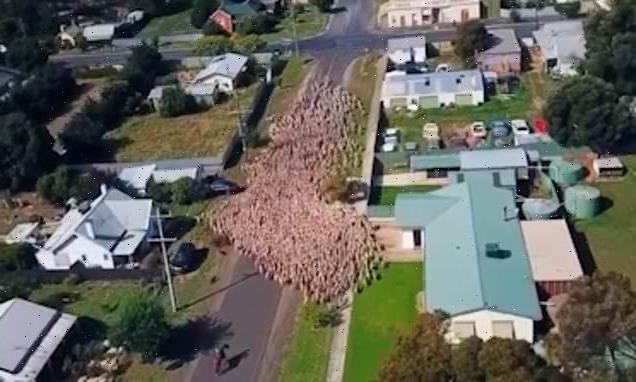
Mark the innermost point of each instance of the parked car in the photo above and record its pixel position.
(478, 129)
(185, 259)
(217, 185)
(520, 127)
(443, 68)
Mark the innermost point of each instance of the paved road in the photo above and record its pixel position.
(249, 306)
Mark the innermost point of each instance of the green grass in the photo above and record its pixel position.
(385, 196)
(308, 24)
(307, 357)
(380, 314)
(170, 24)
(611, 234)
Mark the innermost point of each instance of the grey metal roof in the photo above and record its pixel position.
(502, 41)
(228, 65)
(563, 40)
(461, 81)
(23, 324)
(406, 42)
(493, 159)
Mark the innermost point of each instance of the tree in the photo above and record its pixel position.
(201, 12)
(503, 359)
(421, 355)
(212, 28)
(569, 10)
(141, 324)
(26, 54)
(322, 5)
(14, 284)
(142, 67)
(181, 191)
(159, 192)
(248, 44)
(597, 324)
(14, 257)
(587, 111)
(212, 45)
(465, 361)
(173, 102)
(471, 37)
(257, 24)
(26, 151)
(62, 184)
(82, 137)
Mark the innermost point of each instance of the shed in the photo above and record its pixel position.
(553, 256)
(403, 50)
(607, 167)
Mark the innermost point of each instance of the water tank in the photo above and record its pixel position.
(582, 202)
(538, 209)
(565, 173)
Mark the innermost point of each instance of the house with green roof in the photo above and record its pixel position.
(230, 12)
(476, 266)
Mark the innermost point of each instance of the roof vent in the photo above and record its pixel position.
(494, 251)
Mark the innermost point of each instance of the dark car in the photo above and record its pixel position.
(185, 259)
(218, 185)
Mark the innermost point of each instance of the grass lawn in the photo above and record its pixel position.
(307, 357)
(170, 24)
(380, 314)
(385, 196)
(152, 137)
(539, 86)
(308, 24)
(610, 234)
(288, 86)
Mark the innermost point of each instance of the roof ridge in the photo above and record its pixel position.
(474, 239)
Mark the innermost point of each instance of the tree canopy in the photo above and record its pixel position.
(212, 45)
(141, 324)
(201, 11)
(174, 101)
(26, 54)
(471, 37)
(62, 184)
(322, 5)
(587, 111)
(597, 324)
(248, 44)
(26, 152)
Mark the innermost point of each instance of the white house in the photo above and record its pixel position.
(31, 336)
(407, 49)
(106, 233)
(99, 32)
(412, 13)
(222, 71)
(137, 177)
(432, 90)
(562, 46)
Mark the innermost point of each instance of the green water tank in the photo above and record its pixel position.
(565, 173)
(538, 209)
(582, 202)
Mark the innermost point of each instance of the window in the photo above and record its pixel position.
(463, 329)
(503, 329)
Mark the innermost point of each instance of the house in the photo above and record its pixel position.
(32, 336)
(562, 46)
(222, 71)
(433, 90)
(477, 268)
(503, 55)
(230, 12)
(414, 13)
(553, 256)
(99, 32)
(137, 177)
(203, 94)
(109, 232)
(407, 49)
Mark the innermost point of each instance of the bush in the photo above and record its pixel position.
(327, 316)
(26, 54)
(14, 257)
(258, 24)
(299, 8)
(16, 285)
(181, 191)
(59, 186)
(73, 279)
(212, 46)
(211, 28)
(159, 192)
(174, 102)
(248, 44)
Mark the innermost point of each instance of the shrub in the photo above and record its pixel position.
(248, 44)
(327, 316)
(173, 102)
(181, 191)
(211, 28)
(212, 45)
(14, 257)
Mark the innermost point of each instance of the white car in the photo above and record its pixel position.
(520, 127)
(388, 147)
(478, 129)
(442, 68)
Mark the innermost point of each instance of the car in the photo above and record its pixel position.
(520, 127)
(478, 129)
(218, 185)
(442, 68)
(185, 259)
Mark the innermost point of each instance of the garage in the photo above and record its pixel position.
(398, 102)
(428, 102)
(463, 99)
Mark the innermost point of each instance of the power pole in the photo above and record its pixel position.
(166, 266)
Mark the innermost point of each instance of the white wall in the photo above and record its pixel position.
(225, 84)
(419, 54)
(450, 14)
(523, 327)
(418, 16)
(96, 256)
(407, 239)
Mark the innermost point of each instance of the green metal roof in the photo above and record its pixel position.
(459, 222)
(434, 161)
(242, 8)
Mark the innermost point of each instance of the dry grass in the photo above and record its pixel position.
(291, 80)
(206, 133)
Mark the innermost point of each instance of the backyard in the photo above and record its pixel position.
(385, 196)
(610, 234)
(206, 133)
(380, 314)
(307, 357)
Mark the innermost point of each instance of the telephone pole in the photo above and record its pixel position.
(164, 253)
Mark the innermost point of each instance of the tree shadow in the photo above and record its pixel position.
(217, 291)
(89, 329)
(605, 204)
(197, 335)
(235, 360)
(336, 10)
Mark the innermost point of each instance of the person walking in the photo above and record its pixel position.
(219, 358)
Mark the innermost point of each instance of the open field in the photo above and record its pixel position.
(385, 196)
(151, 136)
(170, 24)
(380, 314)
(307, 357)
(308, 24)
(610, 234)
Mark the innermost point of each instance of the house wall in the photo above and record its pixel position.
(483, 319)
(419, 54)
(444, 99)
(418, 16)
(400, 56)
(80, 250)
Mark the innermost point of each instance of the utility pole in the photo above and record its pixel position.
(166, 266)
(293, 14)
